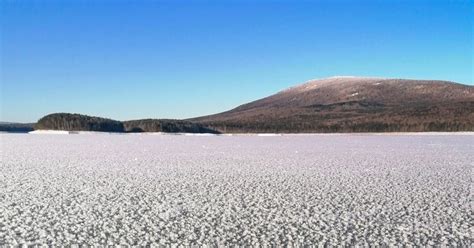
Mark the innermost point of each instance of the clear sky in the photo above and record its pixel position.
(180, 59)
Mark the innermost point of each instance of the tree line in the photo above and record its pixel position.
(78, 122)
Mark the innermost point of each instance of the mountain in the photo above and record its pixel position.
(16, 127)
(337, 104)
(354, 104)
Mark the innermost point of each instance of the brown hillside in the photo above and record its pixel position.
(354, 104)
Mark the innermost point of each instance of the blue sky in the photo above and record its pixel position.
(180, 59)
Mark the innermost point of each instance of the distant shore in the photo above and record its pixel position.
(248, 134)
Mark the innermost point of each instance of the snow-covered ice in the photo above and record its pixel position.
(50, 132)
(340, 190)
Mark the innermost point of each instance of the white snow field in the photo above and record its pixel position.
(337, 190)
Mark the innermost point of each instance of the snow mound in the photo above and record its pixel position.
(49, 132)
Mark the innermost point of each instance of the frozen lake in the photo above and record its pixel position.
(244, 190)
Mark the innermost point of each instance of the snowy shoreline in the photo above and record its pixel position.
(250, 134)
